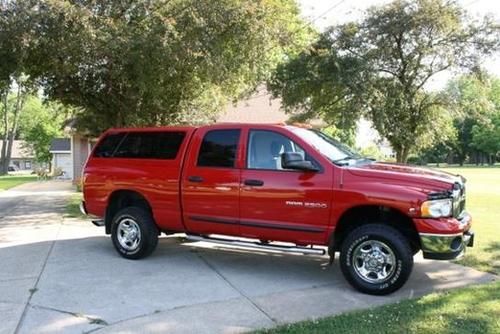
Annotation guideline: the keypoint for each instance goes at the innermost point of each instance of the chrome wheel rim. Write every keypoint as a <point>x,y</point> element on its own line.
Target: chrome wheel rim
<point>129,234</point>
<point>374,261</point>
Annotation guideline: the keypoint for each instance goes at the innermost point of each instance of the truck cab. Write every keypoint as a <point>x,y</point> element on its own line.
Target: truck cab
<point>284,187</point>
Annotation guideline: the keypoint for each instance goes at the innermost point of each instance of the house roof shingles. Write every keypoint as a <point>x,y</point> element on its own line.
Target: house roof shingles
<point>60,145</point>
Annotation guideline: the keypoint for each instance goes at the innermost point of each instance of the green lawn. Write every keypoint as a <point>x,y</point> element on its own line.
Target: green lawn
<point>483,202</point>
<point>468,310</point>
<point>463,311</point>
<point>9,181</point>
<point>73,207</point>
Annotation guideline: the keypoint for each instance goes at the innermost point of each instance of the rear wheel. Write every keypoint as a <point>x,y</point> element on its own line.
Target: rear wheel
<point>134,233</point>
<point>376,259</point>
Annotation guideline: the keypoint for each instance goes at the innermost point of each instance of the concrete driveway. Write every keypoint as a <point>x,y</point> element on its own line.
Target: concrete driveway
<point>60,275</point>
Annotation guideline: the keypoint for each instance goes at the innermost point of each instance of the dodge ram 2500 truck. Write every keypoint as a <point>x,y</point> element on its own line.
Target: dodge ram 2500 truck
<point>275,187</point>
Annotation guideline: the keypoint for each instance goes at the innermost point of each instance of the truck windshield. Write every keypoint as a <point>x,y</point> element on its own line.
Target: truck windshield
<point>332,149</point>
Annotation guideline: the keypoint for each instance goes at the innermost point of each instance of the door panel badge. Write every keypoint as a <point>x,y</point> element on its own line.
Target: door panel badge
<point>310,205</point>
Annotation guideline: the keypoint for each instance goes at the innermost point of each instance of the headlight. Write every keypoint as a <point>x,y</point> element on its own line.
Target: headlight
<point>437,208</point>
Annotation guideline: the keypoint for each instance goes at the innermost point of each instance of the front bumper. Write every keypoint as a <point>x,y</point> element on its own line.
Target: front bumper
<point>445,246</point>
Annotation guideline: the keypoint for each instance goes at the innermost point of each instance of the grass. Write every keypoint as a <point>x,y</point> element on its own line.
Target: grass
<point>464,311</point>
<point>9,181</point>
<point>483,200</point>
<point>73,207</point>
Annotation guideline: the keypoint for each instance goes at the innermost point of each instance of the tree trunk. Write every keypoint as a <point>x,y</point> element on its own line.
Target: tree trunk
<point>4,165</point>
<point>10,131</point>
<point>4,162</point>
<point>402,154</point>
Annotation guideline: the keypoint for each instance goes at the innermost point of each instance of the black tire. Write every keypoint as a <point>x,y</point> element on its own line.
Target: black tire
<point>148,237</point>
<point>381,242</point>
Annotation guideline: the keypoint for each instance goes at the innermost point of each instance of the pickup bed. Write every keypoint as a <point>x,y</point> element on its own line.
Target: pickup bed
<point>282,187</point>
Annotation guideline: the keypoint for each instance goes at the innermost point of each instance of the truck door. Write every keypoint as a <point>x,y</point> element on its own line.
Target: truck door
<point>279,204</point>
<point>211,181</point>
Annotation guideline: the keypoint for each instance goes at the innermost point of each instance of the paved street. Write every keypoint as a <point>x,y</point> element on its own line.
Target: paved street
<point>61,275</point>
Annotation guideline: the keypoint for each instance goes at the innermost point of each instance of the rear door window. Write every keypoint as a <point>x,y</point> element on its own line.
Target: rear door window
<point>108,145</point>
<point>219,148</point>
<point>150,145</point>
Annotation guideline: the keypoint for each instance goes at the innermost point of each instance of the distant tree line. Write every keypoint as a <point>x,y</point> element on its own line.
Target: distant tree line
<point>474,110</point>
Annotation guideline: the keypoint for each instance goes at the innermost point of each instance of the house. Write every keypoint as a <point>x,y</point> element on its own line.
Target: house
<point>258,108</point>
<point>69,154</point>
<point>22,157</point>
<point>60,148</point>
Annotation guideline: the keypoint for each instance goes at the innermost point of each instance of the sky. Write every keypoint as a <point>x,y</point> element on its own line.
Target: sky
<point>324,13</point>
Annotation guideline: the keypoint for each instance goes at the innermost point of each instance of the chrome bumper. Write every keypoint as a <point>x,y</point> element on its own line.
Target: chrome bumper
<point>95,220</point>
<point>445,246</point>
<point>83,209</point>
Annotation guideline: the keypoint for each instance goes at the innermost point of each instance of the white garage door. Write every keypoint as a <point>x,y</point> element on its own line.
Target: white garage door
<point>63,161</point>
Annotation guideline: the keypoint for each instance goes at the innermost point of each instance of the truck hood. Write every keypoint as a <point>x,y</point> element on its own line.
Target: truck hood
<point>412,175</point>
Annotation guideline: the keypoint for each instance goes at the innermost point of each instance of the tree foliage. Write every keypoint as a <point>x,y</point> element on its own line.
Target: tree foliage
<point>474,106</point>
<point>485,133</point>
<point>40,123</point>
<point>321,83</point>
<point>381,65</point>
<point>486,136</point>
<point>15,85</point>
<point>141,62</point>
<point>474,99</point>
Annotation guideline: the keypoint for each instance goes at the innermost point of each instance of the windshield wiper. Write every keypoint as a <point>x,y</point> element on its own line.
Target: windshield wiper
<point>344,160</point>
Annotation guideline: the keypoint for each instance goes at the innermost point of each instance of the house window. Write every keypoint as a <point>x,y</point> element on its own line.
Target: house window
<point>27,164</point>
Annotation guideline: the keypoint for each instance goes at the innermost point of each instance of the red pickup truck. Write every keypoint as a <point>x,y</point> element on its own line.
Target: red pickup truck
<point>275,187</point>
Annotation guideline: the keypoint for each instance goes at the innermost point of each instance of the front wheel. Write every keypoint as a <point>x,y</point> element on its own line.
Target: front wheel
<point>134,233</point>
<point>376,259</point>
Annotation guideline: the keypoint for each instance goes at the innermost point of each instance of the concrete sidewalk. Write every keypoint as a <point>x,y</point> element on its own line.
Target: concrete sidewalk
<point>63,276</point>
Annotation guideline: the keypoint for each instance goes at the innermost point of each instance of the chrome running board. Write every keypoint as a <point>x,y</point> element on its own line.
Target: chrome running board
<point>257,245</point>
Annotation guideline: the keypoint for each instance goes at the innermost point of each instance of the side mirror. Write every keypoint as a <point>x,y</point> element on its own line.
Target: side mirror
<point>293,160</point>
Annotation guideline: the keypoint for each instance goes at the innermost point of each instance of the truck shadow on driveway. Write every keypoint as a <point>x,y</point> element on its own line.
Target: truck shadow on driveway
<point>76,285</point>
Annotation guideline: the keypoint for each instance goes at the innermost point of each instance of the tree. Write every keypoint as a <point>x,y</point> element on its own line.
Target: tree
<point>486,137</point>
<point>14,84</point>
<point>486,131</point>
<point>473,100</point>
<point>393,53</point>
<point>40,123</point>
<point>11,109</point>
<point>141,62</point>
<point>321,83</point>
